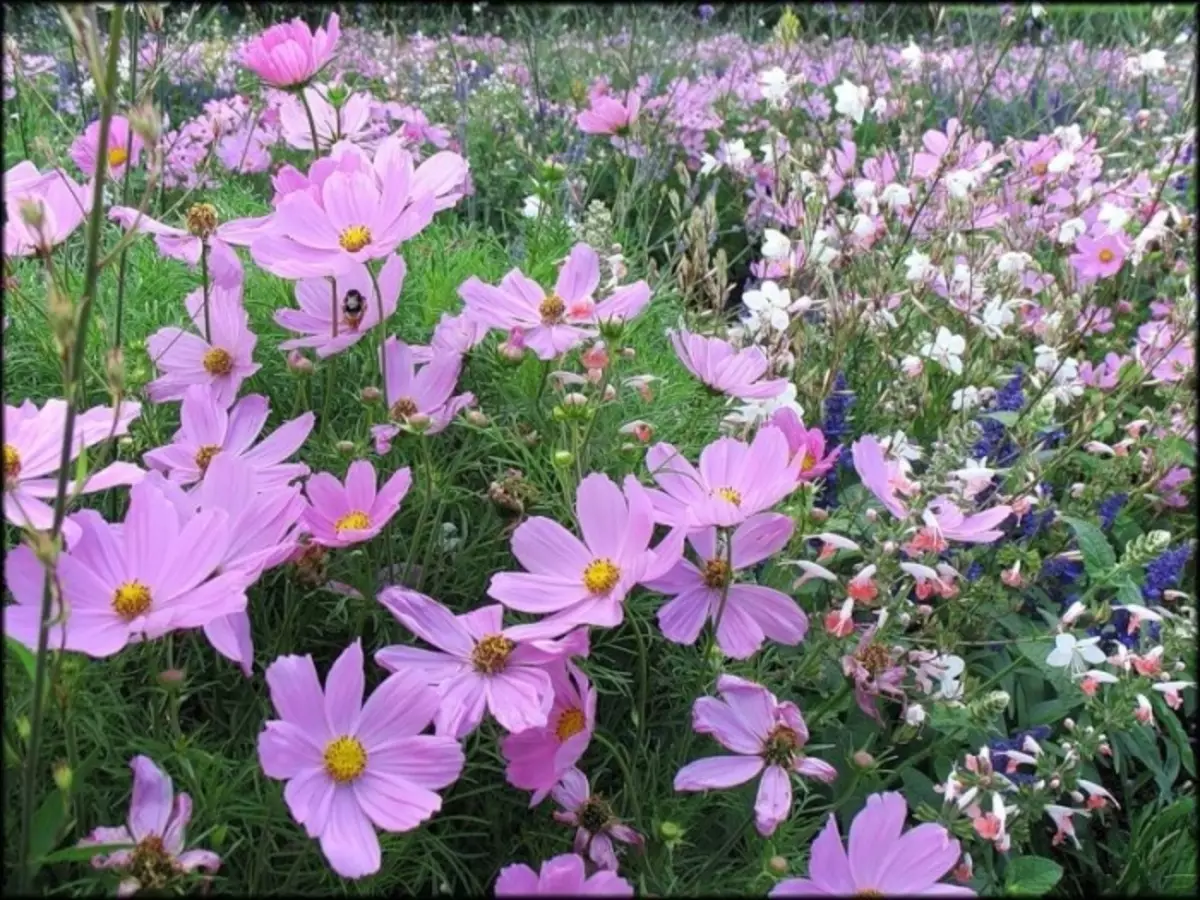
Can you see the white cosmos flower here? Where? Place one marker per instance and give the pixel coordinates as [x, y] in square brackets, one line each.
[1074, 654]
[896, 196]
[1113, 216]
[946, 349]
[770, 303]
[852, 100]
[1070, 230]
[960, 183]
[774, 84]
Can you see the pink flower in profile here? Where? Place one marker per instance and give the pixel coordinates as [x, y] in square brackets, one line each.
[222, 362]
[608, 115]
[807, 444]
[156, 829]
[481, 664]
[351, 121]
[544, 318]
[59, 202]
[418, 398]
[152, 575]
[597, 826]
[1103, 375]
[734, 480]
[334, 316]
[206, 429]
[767, 737]
[562, 876]
[86, 148]
[33, 440]
[719, 367]
[290, 53]
[345, 515]
[538, 757]
[881, 476]
[749, 613]
[585, 582]
[352, 767]
[457, 334]
[246, 150]
[22, 177]
[624, 303]
[944, 522]
[1100, 257]
[883, 860]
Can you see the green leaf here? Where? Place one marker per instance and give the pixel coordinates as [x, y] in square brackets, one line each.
[81, 854]
[23, 655]
[1031, 876]
[46, 827]
[1098, 556]
[1128, 592]
[1004, 417]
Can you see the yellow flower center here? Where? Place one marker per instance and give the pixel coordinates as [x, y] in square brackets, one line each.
[716, 573]
[205, 455]
[201, 219]
[807, 462]
[117, 157]
[730, 494]
[491, 654]
[218, 362]
[552, 310]
[355, 238]
[131, 600]
[570, 723]
[12, 462]
[1039, 168]
[868, 892]
[780, 746]
[403, 408]
[601, 576]
[1106, 255]
[345, 759]
[355, 520]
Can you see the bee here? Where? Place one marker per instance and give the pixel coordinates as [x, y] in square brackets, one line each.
[353, 307]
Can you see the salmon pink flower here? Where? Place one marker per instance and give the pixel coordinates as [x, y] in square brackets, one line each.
[562, 876]
[290, 53]
[156, 829]
[883, 859]
[481, 664]
[352, 766]
[61, 205]
[597, 825]
[744, 614]
[418, 395]
[719, 367]
[1063, 823]
[807, 444]
[767, 737]
[223, 359]
[345, 515]
[86, 148]
[1100, 257]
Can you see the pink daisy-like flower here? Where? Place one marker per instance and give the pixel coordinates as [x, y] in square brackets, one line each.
[352, 767]
[538, 757]
[875, 671]
[350, 121]
[481, 663]
[335, 314]
[597, 826]
[608, 115]
[748, 613]
[881, 476]
[767, 736]
[418, 398]
[61, 205]
[206, 428]
[1100, 257]
[345, 515]
[623, 304]
[585, 582]
[807, 444]
[86, 148]
[734, 480]
[544, 318]
[290, 53]
[157, 829]
[883, 860]
[457, 334]
[222, 361]
[562, 876]
[719, 367]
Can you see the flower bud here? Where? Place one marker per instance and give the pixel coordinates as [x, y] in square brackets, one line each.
[419, 422]
[628, 352]
[871, 516]
[45, 548]
[346, 448]
[670, 831]
[778, 865]
[818, 515]
[563, 458]
[146, 123]
[477, 418]
[370, 394]
[171, 678]
[299, 363]
[863, 759]
[610, 393]
[889, 547]
[33, 212]
[510, 353]
[62, 776]
[114, 365]
[575, 399]
[1069, 724]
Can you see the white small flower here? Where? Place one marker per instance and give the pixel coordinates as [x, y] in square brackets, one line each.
[1037, 11]
[912, 55]
[852, 100]
[960, 182]
[736, 154]
[965, 399]
[864, 189]
[1014, 262]
[770, 303]
[1152, 62]
[912, 366]
[755, 411]
[995, 317]
[1114, 217]
[946, 350]
[533, 207]
[708, 164]
[774, 84]
[952, 668]
[824, 247]
[879, 107]
[1045, 358]
[1070, 230]
[1075, 654]
[1061, 162]
[863, 226]
[918, 266]
[915, 714]
[776, 245]
[895, 196]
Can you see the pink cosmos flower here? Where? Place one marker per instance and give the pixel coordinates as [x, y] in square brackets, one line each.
[767, 736]
[420, 399]
[734, 480]
[807, 444]
[246, 150]
[148, 577]
[206, 429]
[335, 315]
[882, 861]
[520, 302]
[608, 115]
[86, 148]
[944, 522]
[350, 766]
[874, 670]
[539, 757]
[750, 613]
[221, 361]
[481, 663]
[23, 177]
[61, 202]
[1103, 375]
[290, 53]
[345, 515]
[457, 334]
[157, 829]
[562, 876]
[585, 582]
[1100, 257]
[597, 826]
[33, 441]
[719, 367]
[882, 477]
[351, 121]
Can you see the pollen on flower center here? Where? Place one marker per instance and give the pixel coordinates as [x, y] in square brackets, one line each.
[595, 815]
[1039, 168]
[570, 723]
[355, 520]
[355, 238]
[345, 759]
[205, 455]
[131, 600]
[218, 361]
[874, 658]
[601, 576]
[117, 156]
[807, 463]
[1106, 255]
[403, 408]
[201, 219]
[12, 462]
[716, 573]
[779, 749]
[727, 493]
[151, 865]
[491, 654]
[868, 892]
[552, 310]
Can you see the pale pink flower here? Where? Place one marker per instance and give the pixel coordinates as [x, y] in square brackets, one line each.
[420, 398]
[351, 121]
[562, 876]
[60, 203]
[86, 148]
[719, 367]
[596, 825]
[341, 515]
[290, 53]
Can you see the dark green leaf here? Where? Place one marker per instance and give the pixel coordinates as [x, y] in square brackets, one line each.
[1098, 556]
[46, 827]
[1031, 876]
[23, 655]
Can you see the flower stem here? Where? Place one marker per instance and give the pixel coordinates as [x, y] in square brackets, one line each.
[312, 123]
[383, 374]
[204, 287]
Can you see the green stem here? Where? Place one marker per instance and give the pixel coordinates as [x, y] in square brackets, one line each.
[627, 773]
[383, 373]
[312, 123]
[205, 288]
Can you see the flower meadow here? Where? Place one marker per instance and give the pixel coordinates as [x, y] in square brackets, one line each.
[695, 450]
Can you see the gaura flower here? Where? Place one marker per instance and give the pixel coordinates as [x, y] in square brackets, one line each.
[562, 876]
[352, 767]
[60, 203]
[420, 398]
[290, 53]
[345, 515]
[481, 663]
[86, 148]
[1074, 654]
[597, 826]
[807, 444]
[766, 735]
[718, 366]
